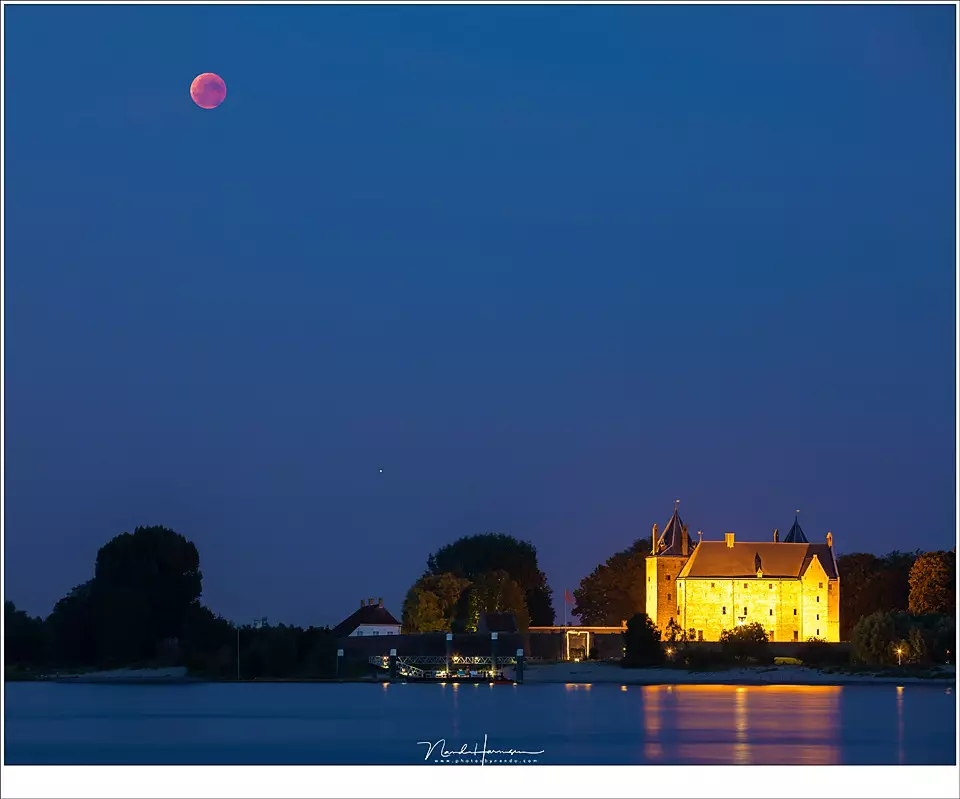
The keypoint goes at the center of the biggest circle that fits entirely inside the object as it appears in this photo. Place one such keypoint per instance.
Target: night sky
(548, 268)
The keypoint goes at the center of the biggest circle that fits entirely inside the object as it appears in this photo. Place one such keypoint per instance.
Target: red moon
(208, 90)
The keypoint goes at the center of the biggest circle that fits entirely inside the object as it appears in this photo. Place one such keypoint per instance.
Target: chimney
(830, 540)
(684, 541)
(776, 536)
(728, 538)
(371, 601)
(362, 603)
(381, 602)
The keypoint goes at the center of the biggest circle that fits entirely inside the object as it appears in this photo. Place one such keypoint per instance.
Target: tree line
(142, 608)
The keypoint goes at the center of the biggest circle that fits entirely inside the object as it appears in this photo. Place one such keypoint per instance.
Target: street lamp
(899, 656)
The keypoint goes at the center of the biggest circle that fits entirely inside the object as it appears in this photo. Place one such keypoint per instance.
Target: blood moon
(208, 90)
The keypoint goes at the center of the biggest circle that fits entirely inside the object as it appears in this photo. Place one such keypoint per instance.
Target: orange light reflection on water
(803, 731)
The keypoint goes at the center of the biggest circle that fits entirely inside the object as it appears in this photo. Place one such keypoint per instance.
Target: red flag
(566, 595)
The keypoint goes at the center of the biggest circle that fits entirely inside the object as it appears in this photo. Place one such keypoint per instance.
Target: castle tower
(669, 553)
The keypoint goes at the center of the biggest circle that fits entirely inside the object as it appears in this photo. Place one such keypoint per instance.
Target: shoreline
(611, 674)
(586, 674)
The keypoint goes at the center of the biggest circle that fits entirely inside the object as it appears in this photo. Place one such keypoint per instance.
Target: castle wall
(708, 606)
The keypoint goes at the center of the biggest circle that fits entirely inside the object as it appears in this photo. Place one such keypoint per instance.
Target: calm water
(357, 724)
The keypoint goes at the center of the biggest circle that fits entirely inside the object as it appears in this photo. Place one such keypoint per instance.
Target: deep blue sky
(548, 268)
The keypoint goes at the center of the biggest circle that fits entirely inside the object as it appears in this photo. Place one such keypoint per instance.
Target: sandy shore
(600, 673)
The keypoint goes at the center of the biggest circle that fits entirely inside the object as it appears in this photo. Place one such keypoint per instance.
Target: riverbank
(171, 674)
(611, 673)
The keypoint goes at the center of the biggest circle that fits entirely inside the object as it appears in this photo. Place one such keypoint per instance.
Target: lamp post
(899, 656)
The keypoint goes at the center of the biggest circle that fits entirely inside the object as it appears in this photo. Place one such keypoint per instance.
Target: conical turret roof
(671, 539)
(795, 536)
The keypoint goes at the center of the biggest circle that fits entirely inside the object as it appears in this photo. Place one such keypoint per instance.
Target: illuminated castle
(792, 587)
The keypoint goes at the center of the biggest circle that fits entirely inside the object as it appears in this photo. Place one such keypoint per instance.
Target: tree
(422, 612)
(870, 584)
(933, 583)
(433, 603)
(614, 590)
(496, 592)
(874, 638)
(72, 628)
(641, 642)
(143, 586)
(745, 642)
(471, 556)
(23, 637)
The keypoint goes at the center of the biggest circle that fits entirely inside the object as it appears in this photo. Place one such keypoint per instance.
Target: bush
(642, 642)
(818, 653)
(746, 642)
(698, 658)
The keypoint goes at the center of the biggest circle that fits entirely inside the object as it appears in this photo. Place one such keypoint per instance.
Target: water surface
(326, 724)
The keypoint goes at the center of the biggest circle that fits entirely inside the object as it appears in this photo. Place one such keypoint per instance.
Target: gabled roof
(716, 559)
(795, 536)
(670, 540)
(368, 614)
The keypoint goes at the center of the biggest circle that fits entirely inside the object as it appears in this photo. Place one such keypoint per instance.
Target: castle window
(713, 585)
(770, 585)
(829, 586)
(745, 585)
(699, 635)
(818, 632)
(769, 635)
(668, 579)
(819, 585)
(648, 579)
(668, 597)
(794, 611)
(818, 599)
(818, 617)
(771, 611)
(359, 632)
(724, 610)
(744, 610)
(796, 635)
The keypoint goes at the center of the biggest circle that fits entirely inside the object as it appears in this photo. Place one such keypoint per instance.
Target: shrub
(746, 642)
(817, 653)
(699, 658)
(642, 642)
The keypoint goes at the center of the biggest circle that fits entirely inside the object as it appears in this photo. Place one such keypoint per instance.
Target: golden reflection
(652, 696)
(623, 687)
(741, 749)
(900, 753)
(772, 724)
